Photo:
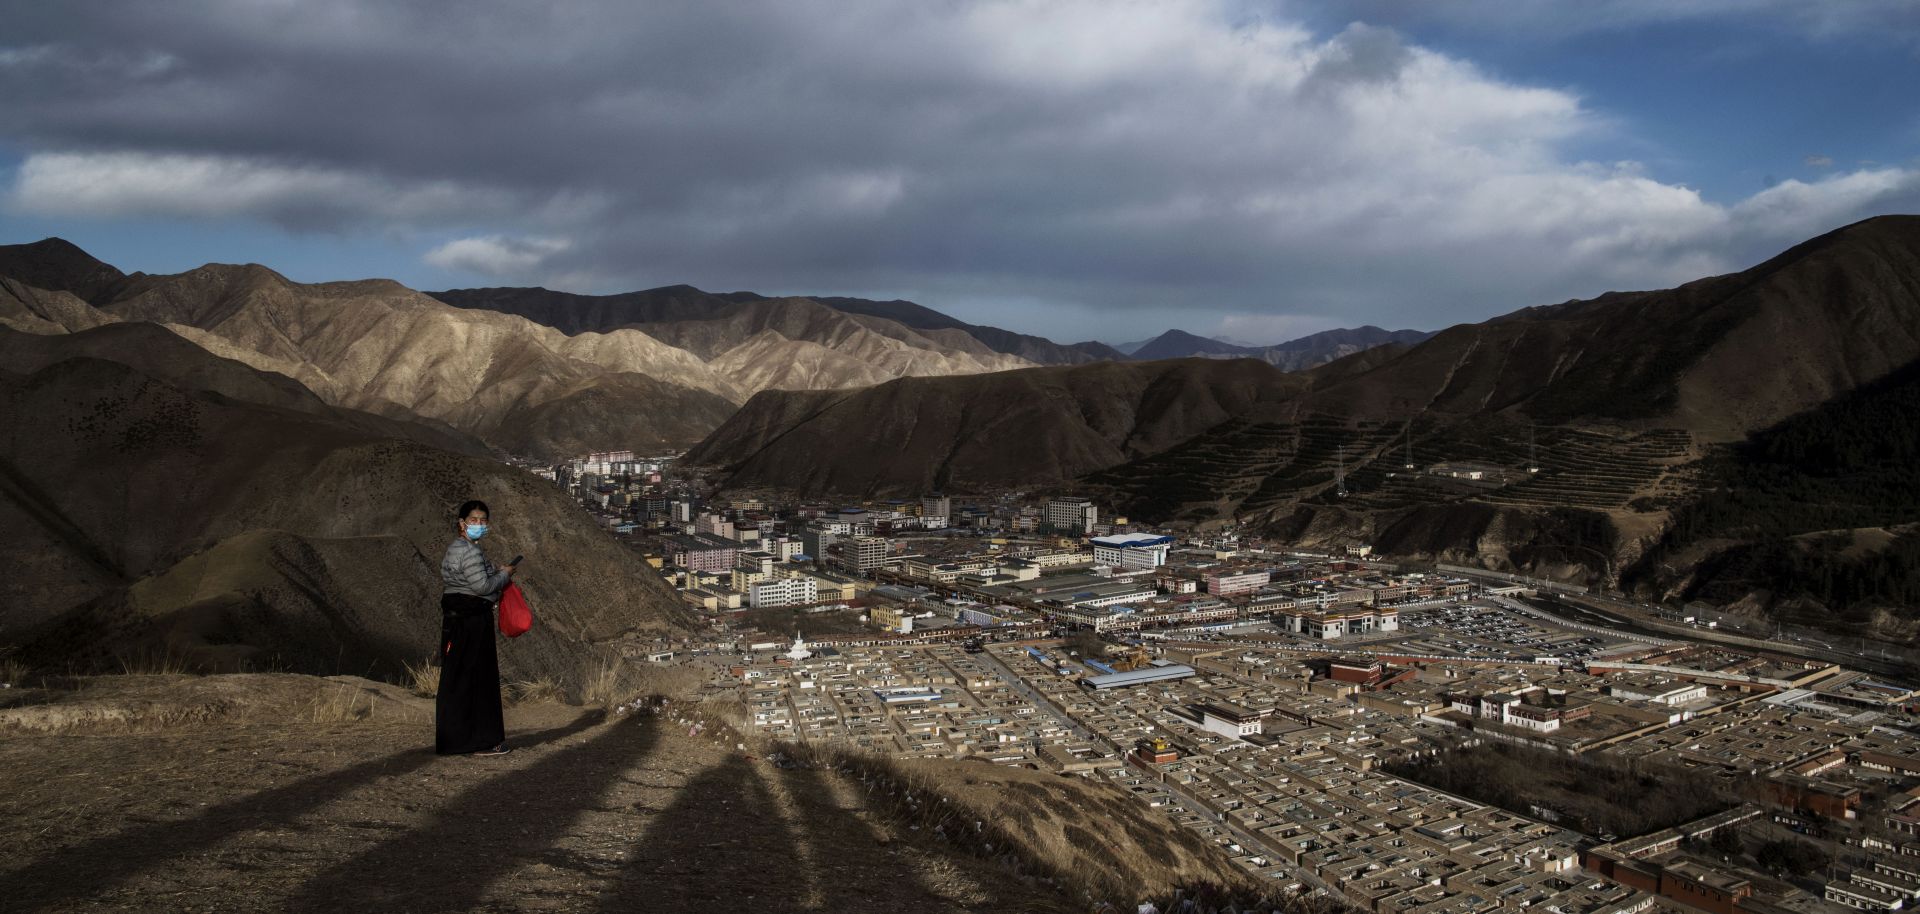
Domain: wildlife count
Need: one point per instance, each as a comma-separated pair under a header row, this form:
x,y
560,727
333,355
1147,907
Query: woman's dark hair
x,y
470,507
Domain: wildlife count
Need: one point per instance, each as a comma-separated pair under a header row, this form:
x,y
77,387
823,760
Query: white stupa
x,y
799,650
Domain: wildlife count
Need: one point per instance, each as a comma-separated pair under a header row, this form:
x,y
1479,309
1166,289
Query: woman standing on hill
x,y
467,717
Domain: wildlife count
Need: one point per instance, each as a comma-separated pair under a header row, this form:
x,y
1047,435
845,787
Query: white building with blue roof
x,y
1132,550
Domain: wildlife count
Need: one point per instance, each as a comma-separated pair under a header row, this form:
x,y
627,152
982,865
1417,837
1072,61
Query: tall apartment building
x,y
814,542
751,568
703,553
714,525
784,548
936,511
1072,514
862,554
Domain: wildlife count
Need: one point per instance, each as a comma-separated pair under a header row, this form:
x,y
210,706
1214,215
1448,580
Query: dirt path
x,y
633,815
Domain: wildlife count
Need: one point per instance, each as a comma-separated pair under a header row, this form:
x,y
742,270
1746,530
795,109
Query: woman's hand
x,y
508,569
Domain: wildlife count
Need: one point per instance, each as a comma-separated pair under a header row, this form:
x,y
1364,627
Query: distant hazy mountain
x,y
1179,344
1294,355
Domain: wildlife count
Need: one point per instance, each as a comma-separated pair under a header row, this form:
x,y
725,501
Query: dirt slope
x,y
361,816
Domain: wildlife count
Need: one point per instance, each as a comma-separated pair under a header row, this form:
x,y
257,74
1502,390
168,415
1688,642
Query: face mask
x,y
476,531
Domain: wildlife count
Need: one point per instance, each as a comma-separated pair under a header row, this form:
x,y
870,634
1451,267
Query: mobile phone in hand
x,y
516,560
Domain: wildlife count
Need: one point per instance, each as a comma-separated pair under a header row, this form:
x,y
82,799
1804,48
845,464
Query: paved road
x,y
1039,701
1632,617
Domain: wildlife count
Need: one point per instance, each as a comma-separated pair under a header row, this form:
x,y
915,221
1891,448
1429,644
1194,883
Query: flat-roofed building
x,y
1658,690
1072,514
1132,550
1140,676
1863,897
862,554
1230,719
893,619
696,552
936,511
798,590
1333,624
1227,583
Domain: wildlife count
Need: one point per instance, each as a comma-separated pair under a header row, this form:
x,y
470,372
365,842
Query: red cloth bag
x,y
515,615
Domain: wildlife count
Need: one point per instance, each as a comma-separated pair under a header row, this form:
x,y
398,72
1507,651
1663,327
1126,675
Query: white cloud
x,y
1264,329
496,255
112,184
1065,154
1796,210
1819,161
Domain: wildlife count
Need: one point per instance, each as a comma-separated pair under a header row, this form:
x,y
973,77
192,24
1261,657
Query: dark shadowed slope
x,y
57,265
155,351
1586,420
150,517
679,304
1018,428
576,314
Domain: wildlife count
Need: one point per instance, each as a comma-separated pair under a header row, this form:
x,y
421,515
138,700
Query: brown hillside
x,y
149,517
1017,428
1707,361
378,346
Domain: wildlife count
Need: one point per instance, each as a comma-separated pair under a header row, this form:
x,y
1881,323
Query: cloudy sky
x,y
1253,170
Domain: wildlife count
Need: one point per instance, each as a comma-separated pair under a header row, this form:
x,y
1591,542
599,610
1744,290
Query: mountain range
x,y
1591,425
528,371
1294,355
1627,440
243,471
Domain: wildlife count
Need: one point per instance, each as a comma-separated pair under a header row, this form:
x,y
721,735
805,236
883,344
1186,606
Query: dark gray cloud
x,y
1178,163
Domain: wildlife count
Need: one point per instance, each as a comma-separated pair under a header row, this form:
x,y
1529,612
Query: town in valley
x,y
1399,738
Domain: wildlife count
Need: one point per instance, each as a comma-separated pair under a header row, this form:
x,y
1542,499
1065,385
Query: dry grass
x,y
340,704
14,673
606,686
149,663
422,679
536,691
677,682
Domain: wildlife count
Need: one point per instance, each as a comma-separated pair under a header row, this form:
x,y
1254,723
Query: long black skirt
x,y
466,712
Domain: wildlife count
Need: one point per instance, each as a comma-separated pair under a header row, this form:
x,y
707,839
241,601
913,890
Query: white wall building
x,y
793,591
1132,550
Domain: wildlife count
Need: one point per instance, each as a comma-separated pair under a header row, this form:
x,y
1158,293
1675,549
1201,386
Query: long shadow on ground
x,y
722,846
479,837
849,857
103,863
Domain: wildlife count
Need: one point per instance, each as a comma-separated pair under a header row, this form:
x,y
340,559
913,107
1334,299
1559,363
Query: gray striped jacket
x,y
467,570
